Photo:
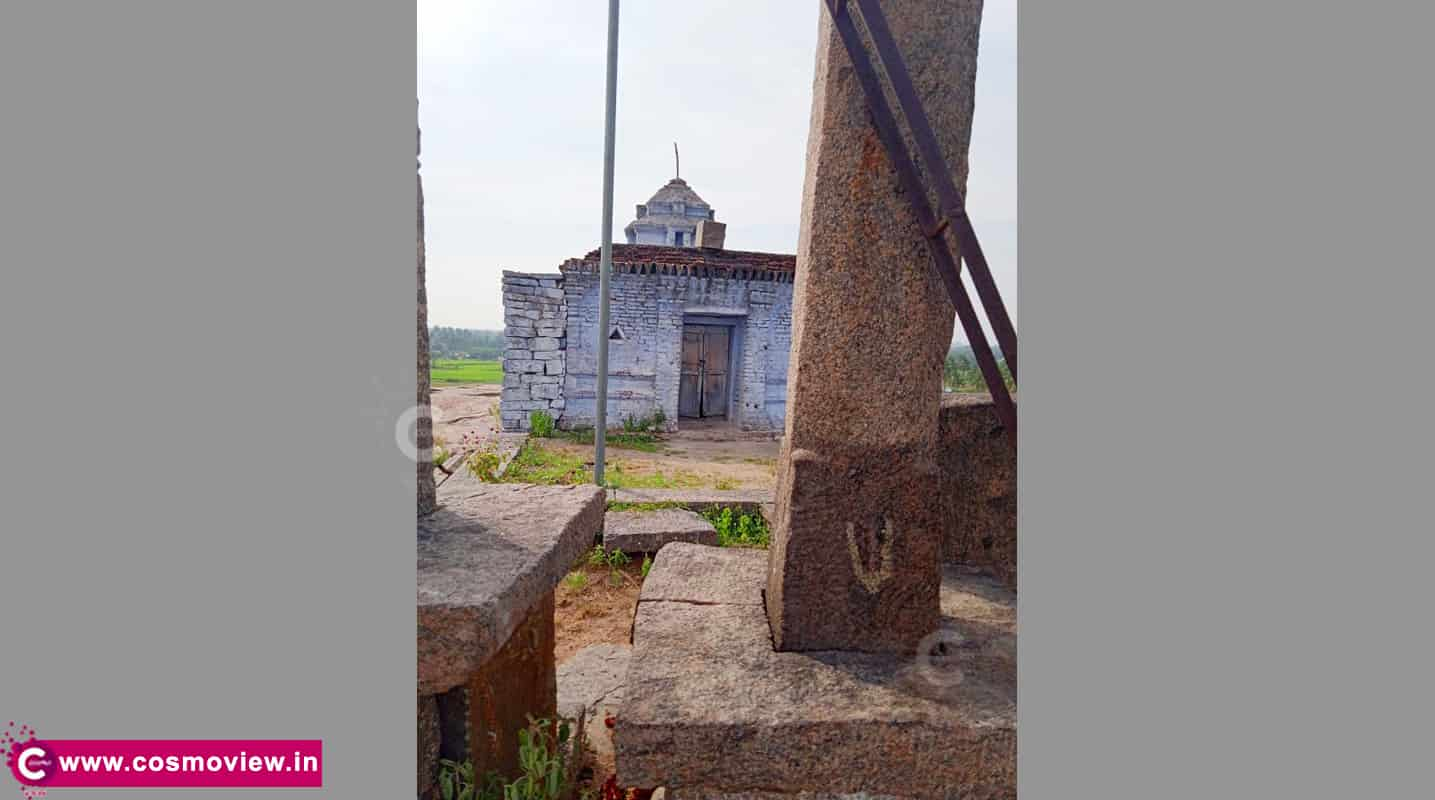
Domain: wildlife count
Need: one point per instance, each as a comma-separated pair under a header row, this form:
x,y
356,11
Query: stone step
x,y
648,531
710,709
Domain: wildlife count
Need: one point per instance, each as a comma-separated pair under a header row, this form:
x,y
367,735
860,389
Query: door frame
x,y
735,323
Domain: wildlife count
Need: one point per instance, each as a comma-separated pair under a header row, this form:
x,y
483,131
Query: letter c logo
x,y
22,763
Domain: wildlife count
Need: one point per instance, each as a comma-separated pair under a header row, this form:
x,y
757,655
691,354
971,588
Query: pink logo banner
x,y
167,763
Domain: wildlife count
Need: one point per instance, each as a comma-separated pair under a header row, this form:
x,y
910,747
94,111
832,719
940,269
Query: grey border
x,y
207,316
1225,550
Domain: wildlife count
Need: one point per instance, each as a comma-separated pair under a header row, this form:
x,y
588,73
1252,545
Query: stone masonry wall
x,y
648,307
978,486
534,318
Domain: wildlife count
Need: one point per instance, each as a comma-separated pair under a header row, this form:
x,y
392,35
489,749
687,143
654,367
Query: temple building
x,y
698,333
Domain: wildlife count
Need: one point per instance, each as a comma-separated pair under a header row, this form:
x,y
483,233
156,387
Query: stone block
x,y
546,391
978,486
704,679
555,367
518,355
548,355
648,531
544,343
525,366
488,553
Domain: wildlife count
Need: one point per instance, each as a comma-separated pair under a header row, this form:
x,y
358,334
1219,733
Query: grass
x,y
618,505
537,464
576,580
460,371
647,442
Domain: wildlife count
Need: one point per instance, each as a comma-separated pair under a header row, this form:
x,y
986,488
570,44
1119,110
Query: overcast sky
x,y
511,106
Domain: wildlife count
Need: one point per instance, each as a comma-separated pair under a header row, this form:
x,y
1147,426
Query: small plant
x,y
616,560
725,483
483,463
597,557
540,424
738,530
646,566
540,756
455,782
577,580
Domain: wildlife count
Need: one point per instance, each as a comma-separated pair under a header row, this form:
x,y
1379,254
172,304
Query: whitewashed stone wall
x,y
648,307
535,323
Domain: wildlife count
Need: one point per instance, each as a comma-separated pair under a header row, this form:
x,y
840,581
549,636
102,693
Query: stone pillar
x,y
427,501
855,558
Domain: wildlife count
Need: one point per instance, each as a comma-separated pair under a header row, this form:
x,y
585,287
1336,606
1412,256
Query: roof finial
x,y
677,165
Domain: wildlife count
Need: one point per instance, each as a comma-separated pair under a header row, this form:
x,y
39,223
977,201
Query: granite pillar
x,y
856,549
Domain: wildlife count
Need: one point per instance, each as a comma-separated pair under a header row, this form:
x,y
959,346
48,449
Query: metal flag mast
x,y
605,266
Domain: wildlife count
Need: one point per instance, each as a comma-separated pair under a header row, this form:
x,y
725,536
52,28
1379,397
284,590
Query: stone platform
x,y
712,710
648,531
488,561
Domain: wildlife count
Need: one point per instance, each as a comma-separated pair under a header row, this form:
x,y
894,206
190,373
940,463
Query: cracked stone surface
x,y
705,679
648,531
590,687
487,556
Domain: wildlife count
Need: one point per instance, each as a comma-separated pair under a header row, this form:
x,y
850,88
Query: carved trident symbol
x,y
872,578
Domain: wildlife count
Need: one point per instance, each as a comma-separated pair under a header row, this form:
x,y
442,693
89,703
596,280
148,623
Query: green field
x,y
457,371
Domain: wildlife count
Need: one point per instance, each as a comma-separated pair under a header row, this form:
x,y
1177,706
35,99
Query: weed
x,y
738,530
646,566
455,781
540,424
577,580
540,756
440,451
597,557
483,463
725,483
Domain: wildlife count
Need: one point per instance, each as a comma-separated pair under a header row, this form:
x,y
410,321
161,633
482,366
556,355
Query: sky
x,y
511,109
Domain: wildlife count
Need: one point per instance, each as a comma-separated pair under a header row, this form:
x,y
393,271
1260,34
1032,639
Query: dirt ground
x,y
597,613
717,455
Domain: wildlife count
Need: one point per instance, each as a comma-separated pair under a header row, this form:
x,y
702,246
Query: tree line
x,y
961,373
465,343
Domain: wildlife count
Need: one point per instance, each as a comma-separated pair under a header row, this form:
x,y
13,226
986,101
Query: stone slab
x,y
485,557
648,531
746,500
590,687
704,679
693,573
856,539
